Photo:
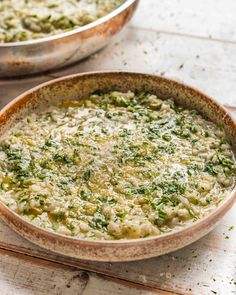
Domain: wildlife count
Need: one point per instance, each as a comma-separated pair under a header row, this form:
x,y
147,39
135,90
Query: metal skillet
x,y
79,86
52,52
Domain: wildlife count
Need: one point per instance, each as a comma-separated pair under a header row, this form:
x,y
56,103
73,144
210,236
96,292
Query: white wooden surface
x,y
191,41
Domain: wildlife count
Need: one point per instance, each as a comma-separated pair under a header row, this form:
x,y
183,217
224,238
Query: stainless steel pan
x,y
21,58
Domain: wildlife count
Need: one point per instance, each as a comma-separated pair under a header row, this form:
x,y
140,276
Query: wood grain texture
x,y
24,275
209,264
103,285
20,275
207,65
213,19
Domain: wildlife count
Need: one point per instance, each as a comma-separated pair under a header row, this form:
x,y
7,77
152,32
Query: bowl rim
x,y
224,205
69,33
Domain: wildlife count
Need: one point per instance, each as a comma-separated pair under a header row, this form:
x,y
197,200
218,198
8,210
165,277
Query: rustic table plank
x,y
22,275
106,286
209,19
207,65
209,264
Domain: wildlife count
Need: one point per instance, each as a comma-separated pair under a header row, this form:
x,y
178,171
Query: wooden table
x,y
191,41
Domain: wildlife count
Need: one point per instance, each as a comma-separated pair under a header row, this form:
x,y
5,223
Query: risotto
x,y
22,20
115,166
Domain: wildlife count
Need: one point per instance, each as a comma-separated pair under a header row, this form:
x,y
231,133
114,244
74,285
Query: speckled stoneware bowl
x,y
76,87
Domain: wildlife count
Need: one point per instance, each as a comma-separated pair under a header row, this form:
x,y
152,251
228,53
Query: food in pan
x,y
22,20
115,166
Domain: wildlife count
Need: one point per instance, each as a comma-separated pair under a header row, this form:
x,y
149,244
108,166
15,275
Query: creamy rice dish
x,y
115,166
22,20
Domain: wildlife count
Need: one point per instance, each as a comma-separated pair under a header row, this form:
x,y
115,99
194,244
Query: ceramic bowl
x,y
81,85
